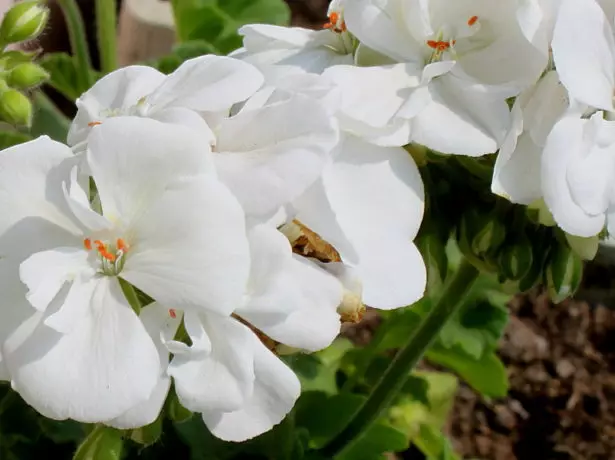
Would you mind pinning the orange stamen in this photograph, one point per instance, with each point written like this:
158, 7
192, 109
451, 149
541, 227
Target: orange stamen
94, 123
87, 243
334, 17
172, 313
121, 245
107, 255
472, 20
440, 45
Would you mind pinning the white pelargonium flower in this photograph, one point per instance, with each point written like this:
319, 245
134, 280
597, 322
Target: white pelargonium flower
578, 174
167, 226
227, 374
278, 51
203, 84
267, 156
517, 171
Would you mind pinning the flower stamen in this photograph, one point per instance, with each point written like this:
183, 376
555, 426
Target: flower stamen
172, 313
94, 123
472, 20
336, 24
87, 244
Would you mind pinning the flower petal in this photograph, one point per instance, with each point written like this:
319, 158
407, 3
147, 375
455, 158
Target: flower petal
34, 212
100, 370
223, 379
584, 53
189, 249
133, 160
158, 324
208, 84
276, 388
289, 298
115, 93
269, 156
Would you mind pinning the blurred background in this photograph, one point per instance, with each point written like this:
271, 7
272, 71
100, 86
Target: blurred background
560, 359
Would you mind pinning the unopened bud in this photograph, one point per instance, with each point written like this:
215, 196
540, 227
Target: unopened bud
15, 108
585, 248
27, 75
24, 21
148, 434
515, 260
539, 213
564, 273
351, 309
102, 443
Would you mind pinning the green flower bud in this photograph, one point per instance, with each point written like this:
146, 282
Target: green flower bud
103, 443
15, 108
515, 260
585, 248
149, 434
24, 21
489, 238
27, 75
564, 273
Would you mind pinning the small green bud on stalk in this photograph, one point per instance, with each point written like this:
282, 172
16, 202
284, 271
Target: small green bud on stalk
149, 434
26, 76
103, 443
564, 273
515, 260
585, 248
24, 21
15, 108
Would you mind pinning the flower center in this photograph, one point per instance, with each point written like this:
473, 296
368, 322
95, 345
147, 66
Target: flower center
112, 256
439, 45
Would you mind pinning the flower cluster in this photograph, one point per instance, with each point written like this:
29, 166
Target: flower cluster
199, 225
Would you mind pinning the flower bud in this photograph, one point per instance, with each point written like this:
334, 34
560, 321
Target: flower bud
15, 108
24, 21
564, 273
585, 248
27, 75
489, 237
149, 434
515, 260
102, 443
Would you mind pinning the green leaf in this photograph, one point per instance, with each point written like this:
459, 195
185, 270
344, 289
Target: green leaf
486, 375
318, 371
324, 415
64, 76
202, 444
216, 21
149, 434
434, 445
376, 441
103, 443
10, 138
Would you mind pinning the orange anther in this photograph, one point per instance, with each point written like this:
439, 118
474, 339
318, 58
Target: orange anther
440, 45
107, 255
432, 44
334, 17
121, 245
172, 313
343, 27
87, 243
472, 20
94, 123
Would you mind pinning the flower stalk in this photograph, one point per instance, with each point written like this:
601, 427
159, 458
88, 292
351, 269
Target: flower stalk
106, 25
406, 359
78, 42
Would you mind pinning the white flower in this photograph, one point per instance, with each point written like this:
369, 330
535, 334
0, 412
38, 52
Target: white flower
167, 226
517, 171
578, 173
278, 51
584, 52
204, 84
241, 388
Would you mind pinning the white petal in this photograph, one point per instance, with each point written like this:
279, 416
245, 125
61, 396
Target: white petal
34, 212
584, 53
46, 272
79, 204
189, 249
289, 298
378, 198
14, 309
134, 159
207, 83
115, 93
103, 368
276, 388
158, 323
566, 148
222, 380
461, 119
189, 118
380, 25
268, 157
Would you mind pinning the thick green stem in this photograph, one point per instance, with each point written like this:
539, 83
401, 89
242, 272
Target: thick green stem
131, 295
78, 42
106, 25
406, 359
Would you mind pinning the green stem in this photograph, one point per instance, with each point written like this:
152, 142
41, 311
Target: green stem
106, 23
78, 42
131, 295
406, 359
